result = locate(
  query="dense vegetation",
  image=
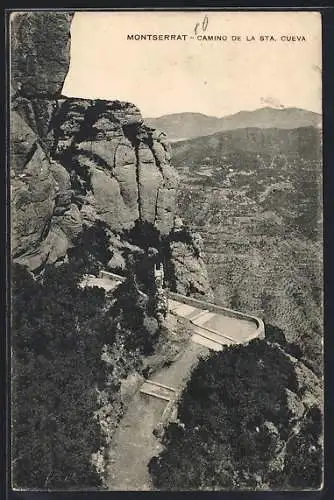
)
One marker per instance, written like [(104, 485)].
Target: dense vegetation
[(91, 251), (57, 337), (59, 332), (71, 348), (236, 429)]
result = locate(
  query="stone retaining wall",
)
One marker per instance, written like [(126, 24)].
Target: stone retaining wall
[(201, 304), (111, 276), (259, 333)]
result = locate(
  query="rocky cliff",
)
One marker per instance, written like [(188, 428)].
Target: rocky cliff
[(120, 169), (77, 161)]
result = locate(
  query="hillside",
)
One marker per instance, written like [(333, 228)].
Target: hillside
[(179, 126), (255, 197)]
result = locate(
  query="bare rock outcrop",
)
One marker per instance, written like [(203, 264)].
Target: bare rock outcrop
[(116, 161), (44, 220), (40, 52), (190, 272)]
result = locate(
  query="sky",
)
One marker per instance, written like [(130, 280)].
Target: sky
[(216, 78)]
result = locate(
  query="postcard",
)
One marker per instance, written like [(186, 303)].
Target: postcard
[(166, 241)]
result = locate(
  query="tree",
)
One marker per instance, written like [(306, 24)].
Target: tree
[(275, 334), (132, 313)]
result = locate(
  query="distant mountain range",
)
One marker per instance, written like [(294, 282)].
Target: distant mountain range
[(302, 141), (180, 126)]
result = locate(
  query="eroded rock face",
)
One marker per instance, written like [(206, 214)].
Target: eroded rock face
[(44, 220), (40, 52), (189, 268), (118, 162), (77, 161)]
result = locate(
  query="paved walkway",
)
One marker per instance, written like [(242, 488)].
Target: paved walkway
[(134, 444), (212, 329), (105, 283)]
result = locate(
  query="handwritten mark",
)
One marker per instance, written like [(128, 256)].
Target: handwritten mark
[(203, 26)]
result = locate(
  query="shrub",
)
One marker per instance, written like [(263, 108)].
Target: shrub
[(275, 335), (294, 349), (91, 251), (303, 463)]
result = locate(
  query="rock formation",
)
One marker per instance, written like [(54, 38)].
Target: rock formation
[(40, 53), (120, 168), (45, 221), (76, 161)]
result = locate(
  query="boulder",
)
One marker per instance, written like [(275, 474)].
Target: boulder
[(191, 276)]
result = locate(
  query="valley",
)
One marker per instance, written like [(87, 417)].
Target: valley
[(255, 198)]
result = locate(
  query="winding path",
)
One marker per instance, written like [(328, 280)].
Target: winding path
[(134, 444)]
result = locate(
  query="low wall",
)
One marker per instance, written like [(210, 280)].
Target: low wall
[(111, 276), (169, 415), (201, 304), (117, 277), (259, 333)]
